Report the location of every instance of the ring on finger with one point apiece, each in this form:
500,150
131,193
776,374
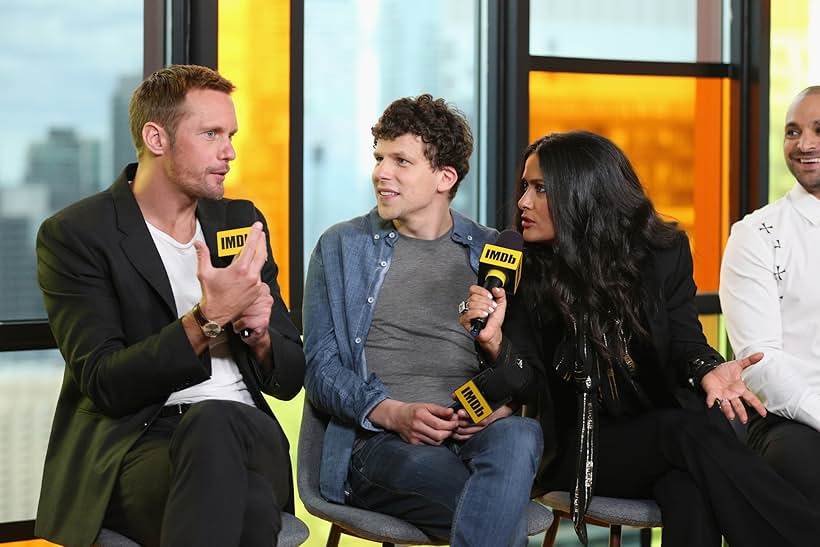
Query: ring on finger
463,307
718,402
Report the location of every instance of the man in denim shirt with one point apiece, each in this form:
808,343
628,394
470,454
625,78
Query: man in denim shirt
385,350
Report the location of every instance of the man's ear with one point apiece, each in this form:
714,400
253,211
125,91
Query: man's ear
155,138
447,179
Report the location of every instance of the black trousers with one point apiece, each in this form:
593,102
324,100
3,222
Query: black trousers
217,475
792,448
706,482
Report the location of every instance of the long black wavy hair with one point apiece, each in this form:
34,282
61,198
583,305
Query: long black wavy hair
605,227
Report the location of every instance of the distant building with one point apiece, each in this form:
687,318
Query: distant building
19,296
66,164
21,211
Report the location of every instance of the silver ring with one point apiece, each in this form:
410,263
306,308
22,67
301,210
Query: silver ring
463,307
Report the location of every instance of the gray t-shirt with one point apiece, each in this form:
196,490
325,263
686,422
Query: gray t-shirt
416,344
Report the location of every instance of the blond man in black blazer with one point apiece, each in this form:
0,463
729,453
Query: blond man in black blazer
161,431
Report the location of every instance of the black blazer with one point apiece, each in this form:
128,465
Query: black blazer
676,337
112,312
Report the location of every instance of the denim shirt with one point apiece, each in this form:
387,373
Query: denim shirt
346,272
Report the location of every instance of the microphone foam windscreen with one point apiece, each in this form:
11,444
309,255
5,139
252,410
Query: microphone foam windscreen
239,213
511,240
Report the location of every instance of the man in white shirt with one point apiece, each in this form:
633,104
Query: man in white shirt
769,296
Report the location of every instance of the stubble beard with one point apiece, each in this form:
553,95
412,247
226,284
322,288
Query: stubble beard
812,187
195,184
810,183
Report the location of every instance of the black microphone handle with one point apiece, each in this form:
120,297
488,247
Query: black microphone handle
488,387
478,324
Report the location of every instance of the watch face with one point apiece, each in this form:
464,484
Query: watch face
211,329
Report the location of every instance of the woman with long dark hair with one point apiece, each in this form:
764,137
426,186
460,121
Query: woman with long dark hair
604,330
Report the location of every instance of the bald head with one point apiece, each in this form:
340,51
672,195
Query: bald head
811,90
801,139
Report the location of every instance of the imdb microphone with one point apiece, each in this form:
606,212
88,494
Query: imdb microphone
477,396
499,266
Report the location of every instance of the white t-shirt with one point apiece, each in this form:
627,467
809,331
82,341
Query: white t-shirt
771,301
180,262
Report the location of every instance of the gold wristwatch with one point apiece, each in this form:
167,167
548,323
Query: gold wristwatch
209,328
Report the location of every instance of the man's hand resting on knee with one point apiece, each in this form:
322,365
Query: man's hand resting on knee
416,423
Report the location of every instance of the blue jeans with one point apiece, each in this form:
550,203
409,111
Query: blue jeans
475,493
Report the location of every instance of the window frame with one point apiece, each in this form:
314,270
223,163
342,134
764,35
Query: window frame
509,63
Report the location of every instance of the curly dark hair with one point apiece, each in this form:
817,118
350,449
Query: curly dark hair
605,228
443,129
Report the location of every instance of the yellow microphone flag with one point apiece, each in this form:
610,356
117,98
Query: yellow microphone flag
230,242
473,401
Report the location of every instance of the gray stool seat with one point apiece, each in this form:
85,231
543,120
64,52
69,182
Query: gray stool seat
294,532
623,511
539,518
613,513
110,538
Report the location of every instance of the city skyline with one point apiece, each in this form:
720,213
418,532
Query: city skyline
59,65
58,169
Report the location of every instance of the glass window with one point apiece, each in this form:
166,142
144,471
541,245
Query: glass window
29,385
360,56
794,65
635,30
67,74
67,70
671,128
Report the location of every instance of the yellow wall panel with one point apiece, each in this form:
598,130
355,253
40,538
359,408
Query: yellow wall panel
793,65
254,53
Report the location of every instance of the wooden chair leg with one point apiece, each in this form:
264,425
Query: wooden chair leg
552,531
615,535
334,535
646,537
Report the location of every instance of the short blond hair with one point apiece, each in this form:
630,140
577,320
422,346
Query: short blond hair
160,96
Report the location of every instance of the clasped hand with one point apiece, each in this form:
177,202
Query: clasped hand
429,423
236,294
416,423
466,427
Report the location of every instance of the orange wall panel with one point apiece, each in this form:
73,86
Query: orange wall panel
707,182
670,127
